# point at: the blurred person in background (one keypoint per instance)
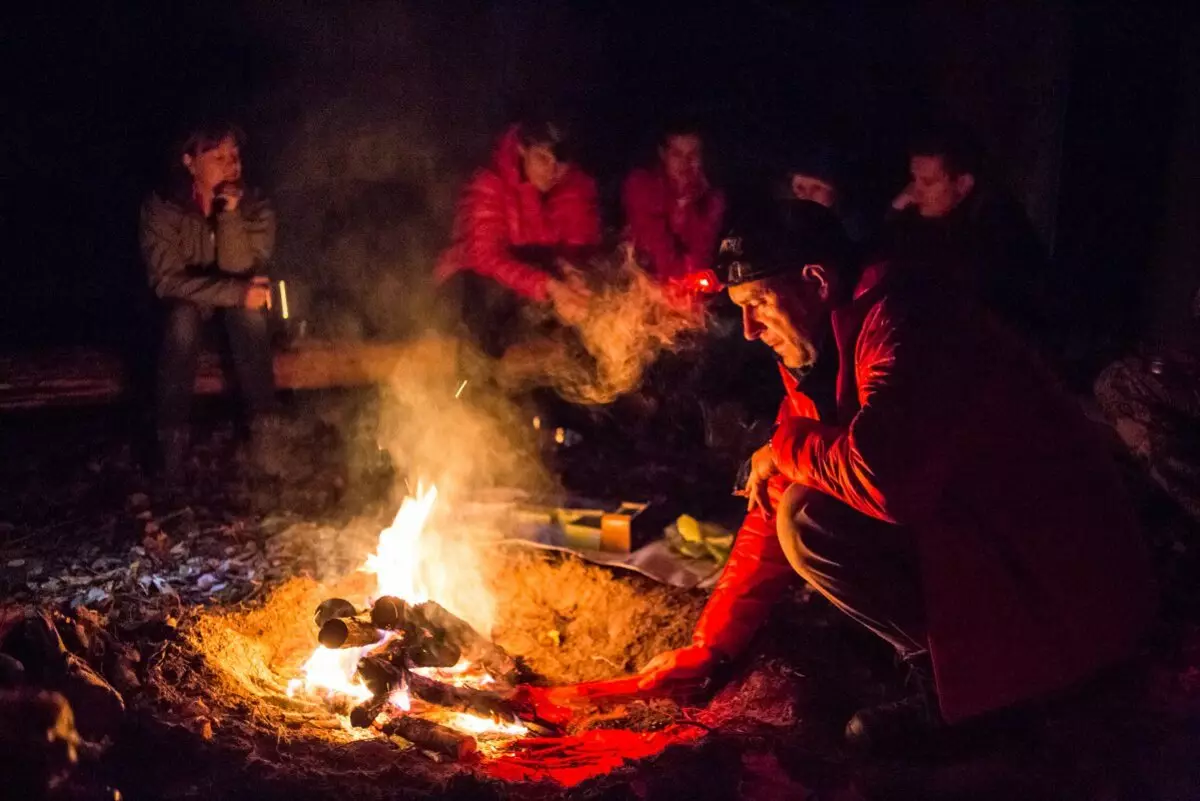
(955, 219)
(673, 214)
(523, 223)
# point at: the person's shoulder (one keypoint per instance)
(160, 205)
(256, 200)
(485, 181)
(576, 182)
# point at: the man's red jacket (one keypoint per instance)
(500, 211)
(1033, 569)
(674, 239)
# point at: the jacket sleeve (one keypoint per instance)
(160, 234)
(486, 240)
(892, 457)
(649, 227)
(753, 580)
(245, 237)
(575, 210)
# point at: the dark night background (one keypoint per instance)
(365, 118)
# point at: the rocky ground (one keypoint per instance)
(138, 606)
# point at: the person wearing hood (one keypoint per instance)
(522, 224)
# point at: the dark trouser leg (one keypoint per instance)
(177, 358)
(250, 345)
(865, 567)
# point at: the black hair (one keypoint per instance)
(200, 136)
(679, 126)
(534, 131)
(207, 135)
(957, 146)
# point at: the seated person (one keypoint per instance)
(518, 221)
(955, 219)
(673, 215)
(205, 240)
(818, 173)
(930, 481)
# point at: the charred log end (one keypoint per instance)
(390, 612)
(347, 633)
(332, 609)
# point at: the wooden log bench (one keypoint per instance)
(84, 375)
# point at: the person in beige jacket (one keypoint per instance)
(205, 241)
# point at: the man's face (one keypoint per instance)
(935, 191)
(683, 159)
(542, 168)
(216, 165)
(787, 314)
(806, 187)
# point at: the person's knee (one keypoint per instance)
(181, 330)
(250, 322)
(801, 541)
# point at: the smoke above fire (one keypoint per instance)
(631, 321)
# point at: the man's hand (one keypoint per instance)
(258, 294)
(762, 469)
(691, 664)
(230, 194)
(906, 198)
(570, 301)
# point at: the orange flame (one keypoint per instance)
(411, 564)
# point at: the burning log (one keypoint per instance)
(431, 736)
(465, 699)
(382, 677)
(438, 638)
(365, 714)
(425, 645)
(347, 632)
(432, 651)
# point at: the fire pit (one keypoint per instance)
(414, 693)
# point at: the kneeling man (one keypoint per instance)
(929, 480)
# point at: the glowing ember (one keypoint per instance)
(410, 564)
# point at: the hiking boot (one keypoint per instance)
(893, 726)
(903, 724)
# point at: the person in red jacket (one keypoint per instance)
(672, 213)
(929, 479)
(518, 222)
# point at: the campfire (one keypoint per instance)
(400, 663)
